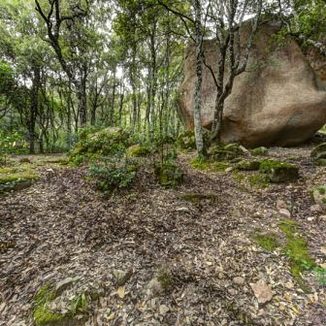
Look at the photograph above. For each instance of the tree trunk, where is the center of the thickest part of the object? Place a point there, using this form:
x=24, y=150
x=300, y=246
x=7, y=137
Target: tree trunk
x=36, y=81
x=199, y=74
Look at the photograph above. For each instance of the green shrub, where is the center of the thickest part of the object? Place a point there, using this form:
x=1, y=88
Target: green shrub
x=106, y=142
x=12, y=143
x=138, y=150
x=187, y=140
x=113, y=173
x=168, y=174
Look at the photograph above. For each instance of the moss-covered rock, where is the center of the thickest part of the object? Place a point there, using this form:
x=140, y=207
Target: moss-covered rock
x=319, y=195
x=227, y=152
x=106, y=142
x=138, y=150
x=248, y=165
x=279, y=172
x=16, y=177
x=318, y=154
x=43, y=315
x=259, y=151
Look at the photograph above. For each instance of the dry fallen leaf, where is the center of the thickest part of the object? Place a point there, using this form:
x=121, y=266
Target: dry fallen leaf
x=121, y=292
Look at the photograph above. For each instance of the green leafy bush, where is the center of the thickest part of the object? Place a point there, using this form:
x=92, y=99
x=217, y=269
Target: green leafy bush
x=113, y=173
x=12, y=143
x=168, y=174
x=94, y=145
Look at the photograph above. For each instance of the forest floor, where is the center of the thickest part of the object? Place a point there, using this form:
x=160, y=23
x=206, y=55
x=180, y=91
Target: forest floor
x=155, y=256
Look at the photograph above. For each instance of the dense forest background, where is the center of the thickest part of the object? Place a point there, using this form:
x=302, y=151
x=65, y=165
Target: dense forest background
x=71, y=64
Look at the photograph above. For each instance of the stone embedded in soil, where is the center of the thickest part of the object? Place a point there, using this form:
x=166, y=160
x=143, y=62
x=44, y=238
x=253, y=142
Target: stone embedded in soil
x=285, y=213
x=319, y=195
x=262, y=291
x=239, y=280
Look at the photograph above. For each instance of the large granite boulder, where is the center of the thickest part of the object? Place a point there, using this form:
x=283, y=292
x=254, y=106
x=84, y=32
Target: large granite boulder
x=278, y=100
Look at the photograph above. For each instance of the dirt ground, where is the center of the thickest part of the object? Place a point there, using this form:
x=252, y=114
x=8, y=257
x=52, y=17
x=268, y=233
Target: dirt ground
x=200, y=248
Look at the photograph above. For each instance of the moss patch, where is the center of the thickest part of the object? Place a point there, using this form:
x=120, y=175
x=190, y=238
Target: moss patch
x=42, y=314
x=267, y=241
x=16, y=177
x=138, y=151
x=296, y=249
x=259, y=151
x=165, y=278
x=279, y=172
x=258, y=181
x=255, y=180
x=203, y=164
x=196, y=198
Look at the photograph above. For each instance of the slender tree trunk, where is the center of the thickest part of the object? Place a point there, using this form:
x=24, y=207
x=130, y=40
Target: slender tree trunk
x=199, y=74
x=34, y=108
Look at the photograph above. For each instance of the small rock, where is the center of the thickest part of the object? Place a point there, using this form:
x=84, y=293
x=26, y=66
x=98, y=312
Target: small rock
x=262, y=291
x=322, y=217
x=316, y=208
x=310, y=218
x=164, y=309
x=323, y=250
x=229, y=169
x=233, y=291
x=285, y=213
x=258, y=215
x=239, y=280
x=281, y=204
x=289, y=285
x=182, y=209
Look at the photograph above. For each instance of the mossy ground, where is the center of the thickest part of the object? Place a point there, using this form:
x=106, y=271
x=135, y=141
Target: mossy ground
x=296, y=249
x=165, y=278
x=44, y=316
x=254, y=180
x=268, y=241
x=196, y=198
x=203, y=164
x=17, y=177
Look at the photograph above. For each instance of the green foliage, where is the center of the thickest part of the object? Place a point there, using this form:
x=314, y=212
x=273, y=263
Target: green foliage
x=79, y=304
x=320, y=274
x=168, y=174
x=113, y=173
x=268, y=242
x=42, y=315
x=187, y=140
x=138, y=150
x=93, y=145
x=12, y=143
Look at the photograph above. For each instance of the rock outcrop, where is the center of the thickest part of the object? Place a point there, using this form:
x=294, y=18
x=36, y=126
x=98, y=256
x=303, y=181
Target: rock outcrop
x=278, y=100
